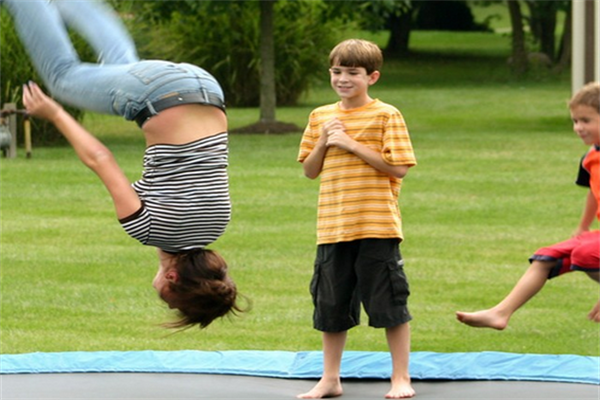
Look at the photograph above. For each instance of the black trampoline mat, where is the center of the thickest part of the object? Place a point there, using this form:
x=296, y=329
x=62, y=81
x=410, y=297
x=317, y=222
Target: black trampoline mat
x=199, y=386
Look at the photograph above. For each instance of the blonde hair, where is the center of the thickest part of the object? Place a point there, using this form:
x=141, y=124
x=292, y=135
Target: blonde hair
x=357, y=53
x=589, y=95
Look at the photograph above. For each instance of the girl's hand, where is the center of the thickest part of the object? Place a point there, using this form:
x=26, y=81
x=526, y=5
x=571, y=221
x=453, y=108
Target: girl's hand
x=38, y=104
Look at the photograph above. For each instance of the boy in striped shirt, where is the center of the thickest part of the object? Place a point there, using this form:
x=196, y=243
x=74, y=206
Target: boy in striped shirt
x=361, y=150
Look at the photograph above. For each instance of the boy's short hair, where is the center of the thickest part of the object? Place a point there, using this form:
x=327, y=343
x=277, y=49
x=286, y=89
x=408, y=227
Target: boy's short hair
x=357, y=53
x=589, y=95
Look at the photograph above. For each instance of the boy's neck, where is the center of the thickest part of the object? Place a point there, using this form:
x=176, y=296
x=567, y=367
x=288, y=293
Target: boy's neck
x=349, y=104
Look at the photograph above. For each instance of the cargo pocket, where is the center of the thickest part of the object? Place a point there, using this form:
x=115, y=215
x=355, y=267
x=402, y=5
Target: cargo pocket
x=398, y=282
x=314, y=283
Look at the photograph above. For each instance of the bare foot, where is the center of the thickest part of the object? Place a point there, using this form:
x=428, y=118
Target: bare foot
x=323, y=389
x=594, y=315
x=401, y=390
x=483, y=319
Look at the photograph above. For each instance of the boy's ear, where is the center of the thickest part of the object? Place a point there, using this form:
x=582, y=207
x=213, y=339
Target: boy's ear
x=374, y=77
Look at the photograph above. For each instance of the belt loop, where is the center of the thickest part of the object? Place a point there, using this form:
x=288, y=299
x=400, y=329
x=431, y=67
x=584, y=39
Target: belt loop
x=151, y=108
x=205, y=94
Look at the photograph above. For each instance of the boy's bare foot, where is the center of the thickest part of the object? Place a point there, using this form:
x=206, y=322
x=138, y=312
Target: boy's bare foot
x=483, y=319
x=323, y=389
x=401, y=390
x=594, y=315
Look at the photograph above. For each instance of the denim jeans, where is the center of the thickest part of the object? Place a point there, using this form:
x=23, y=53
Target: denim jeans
x=120, y=83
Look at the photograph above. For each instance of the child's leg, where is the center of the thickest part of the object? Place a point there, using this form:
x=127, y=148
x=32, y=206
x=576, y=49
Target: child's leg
x=528, y=286
x=44, y=36
x=398, y=339
x=102, y=28
x=329, y=385
x=86, y=86
x=594, y=315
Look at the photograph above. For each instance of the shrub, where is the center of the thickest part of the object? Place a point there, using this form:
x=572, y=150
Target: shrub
x=447, y=15
x=223, y=38
x=16, y=69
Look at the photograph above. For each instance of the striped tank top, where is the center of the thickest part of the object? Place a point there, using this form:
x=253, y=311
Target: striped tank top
x=185, y=195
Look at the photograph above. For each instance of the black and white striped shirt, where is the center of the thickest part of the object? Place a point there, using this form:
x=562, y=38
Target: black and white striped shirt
x=185, y=195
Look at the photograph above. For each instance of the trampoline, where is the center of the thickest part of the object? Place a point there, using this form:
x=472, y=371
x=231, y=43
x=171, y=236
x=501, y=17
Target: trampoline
x=282, y=375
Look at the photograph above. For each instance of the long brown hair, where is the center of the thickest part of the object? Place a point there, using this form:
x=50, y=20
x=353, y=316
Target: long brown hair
x=203, y=292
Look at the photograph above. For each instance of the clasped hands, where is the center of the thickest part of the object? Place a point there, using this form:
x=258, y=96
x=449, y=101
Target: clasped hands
x=334, y=134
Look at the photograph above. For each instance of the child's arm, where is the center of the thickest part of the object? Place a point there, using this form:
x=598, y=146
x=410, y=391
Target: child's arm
x=589, y=214
x=338, y=137
x=313, y=164
x=90, y=150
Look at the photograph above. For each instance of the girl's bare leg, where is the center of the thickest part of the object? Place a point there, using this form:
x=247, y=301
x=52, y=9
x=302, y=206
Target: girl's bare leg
x=398, y=339
x=498, y=316
x=330, y=384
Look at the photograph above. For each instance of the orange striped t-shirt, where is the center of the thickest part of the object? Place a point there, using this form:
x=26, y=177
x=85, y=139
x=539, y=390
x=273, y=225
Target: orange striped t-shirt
x=356, y=201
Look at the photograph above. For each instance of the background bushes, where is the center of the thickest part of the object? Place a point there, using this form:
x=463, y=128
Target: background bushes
x=224, y=37
x=16, y=69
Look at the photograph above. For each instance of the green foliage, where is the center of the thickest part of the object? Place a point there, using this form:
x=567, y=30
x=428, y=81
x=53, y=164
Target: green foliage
x=446, y=15
x=13, y=70
x=17, y=69
x=223, y=38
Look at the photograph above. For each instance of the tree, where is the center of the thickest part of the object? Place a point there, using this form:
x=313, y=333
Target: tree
x=268, y=99
x=542, y=21
x=261, y=52
x=376, y=15
x=519, y=51
x=400, y=26
x=565, y=49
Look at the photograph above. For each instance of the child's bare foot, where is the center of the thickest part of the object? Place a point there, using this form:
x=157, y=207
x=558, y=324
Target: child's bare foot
x=323, y=389
x=483, y=319
x=401, y=390
x=594, y=315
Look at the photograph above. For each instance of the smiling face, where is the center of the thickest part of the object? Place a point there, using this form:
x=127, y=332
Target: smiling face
x=586, y=124
x=352, y=84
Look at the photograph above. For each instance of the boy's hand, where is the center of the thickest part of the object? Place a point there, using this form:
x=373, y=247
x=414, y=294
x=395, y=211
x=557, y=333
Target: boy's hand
x=38, y=104
x=335, y=131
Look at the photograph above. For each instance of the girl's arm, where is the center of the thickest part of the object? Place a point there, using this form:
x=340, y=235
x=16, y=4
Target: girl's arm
x=90, y=150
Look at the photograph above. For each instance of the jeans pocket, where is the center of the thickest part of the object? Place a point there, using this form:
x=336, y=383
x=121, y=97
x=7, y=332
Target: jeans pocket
x=150, y=71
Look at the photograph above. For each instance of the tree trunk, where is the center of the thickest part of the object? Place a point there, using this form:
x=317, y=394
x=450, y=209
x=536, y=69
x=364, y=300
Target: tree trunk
x=519, y=52
x=543, y=25
x=564, y=53
x=268, y=98
x=548, y=28
x=400, y=27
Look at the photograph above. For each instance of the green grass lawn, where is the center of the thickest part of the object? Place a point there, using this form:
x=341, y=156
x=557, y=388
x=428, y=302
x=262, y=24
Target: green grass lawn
x=497, y=160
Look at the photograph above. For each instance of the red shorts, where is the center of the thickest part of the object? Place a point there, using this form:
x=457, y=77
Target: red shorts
x=581, y=253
